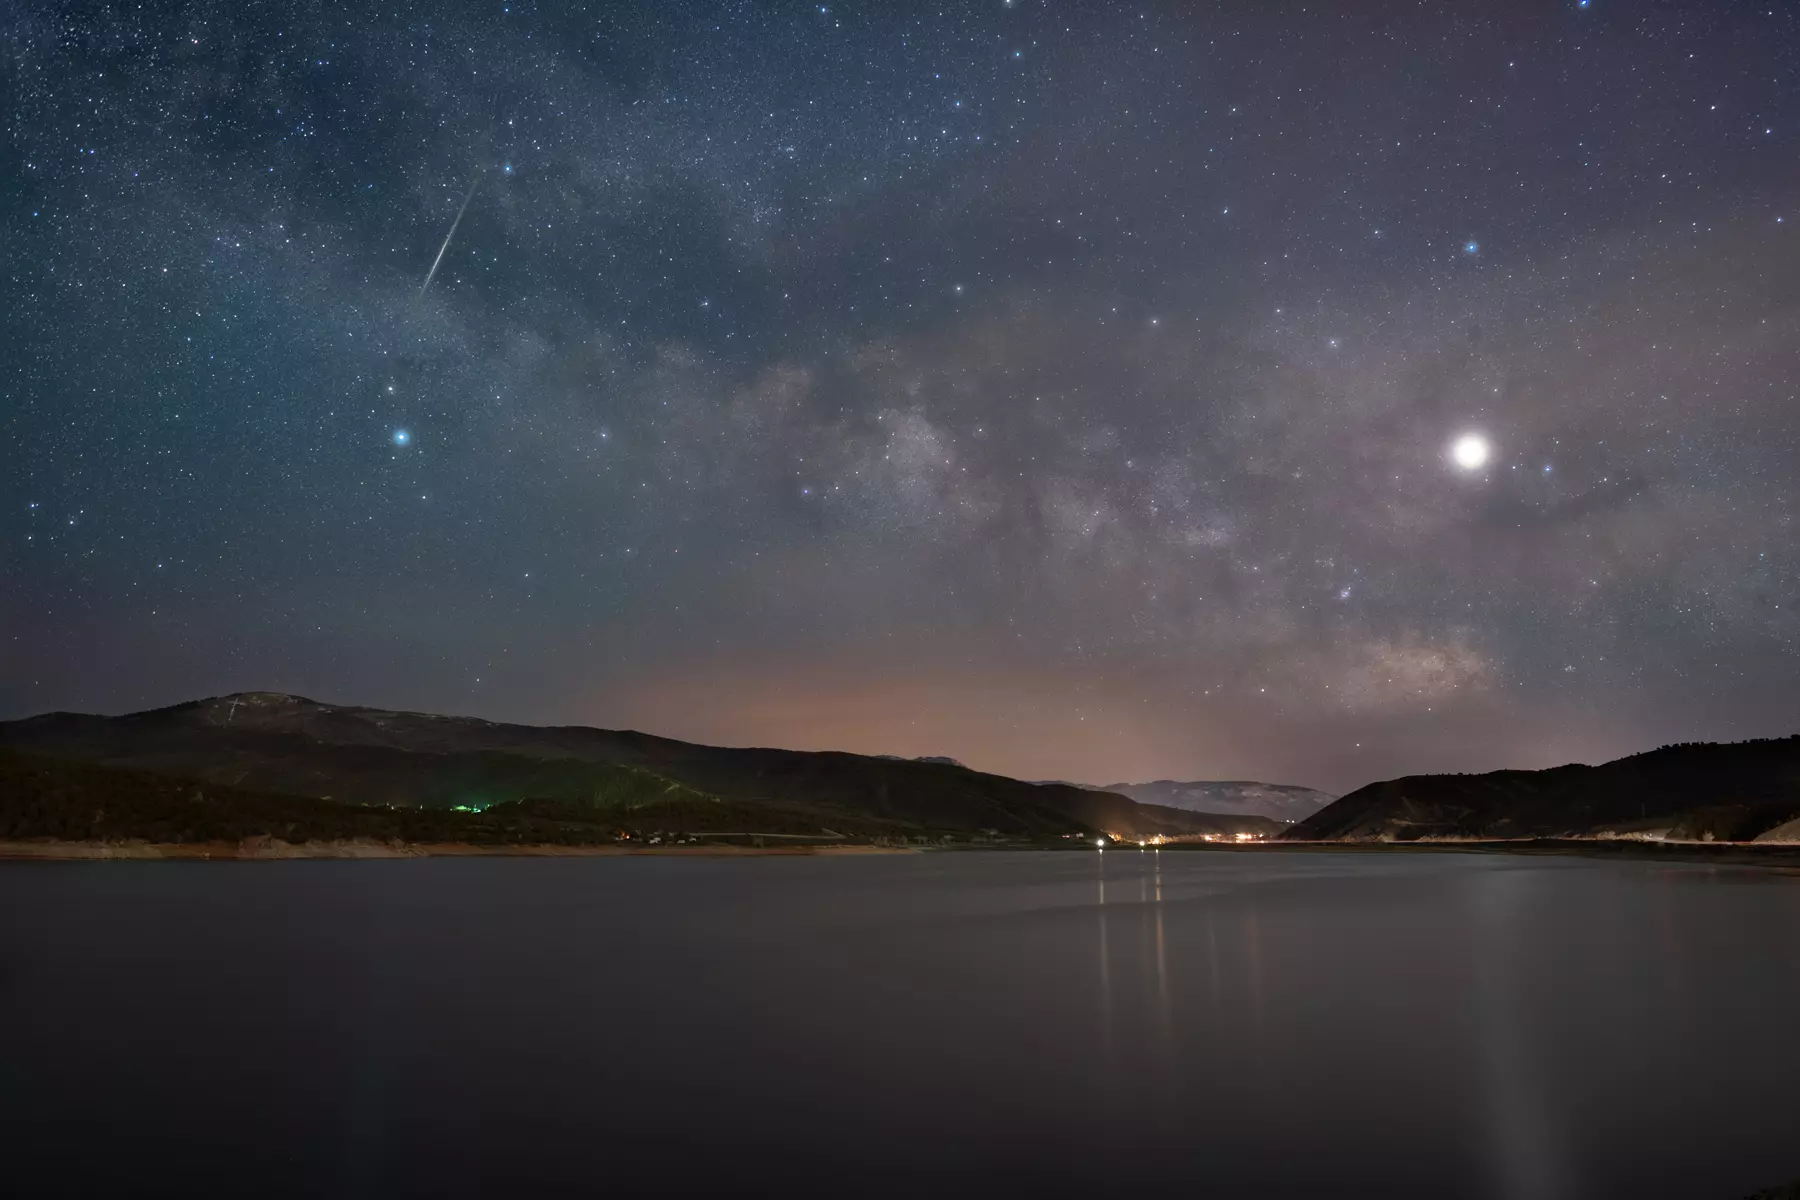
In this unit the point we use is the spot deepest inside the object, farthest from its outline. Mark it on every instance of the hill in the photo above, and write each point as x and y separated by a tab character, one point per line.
1283	802
1704	792
62	800
274	743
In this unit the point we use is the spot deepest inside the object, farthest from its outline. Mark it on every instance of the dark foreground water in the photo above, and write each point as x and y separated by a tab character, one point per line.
1237	1025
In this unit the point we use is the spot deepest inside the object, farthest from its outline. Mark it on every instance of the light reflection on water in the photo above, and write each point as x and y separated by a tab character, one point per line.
1525	1160
1269	1023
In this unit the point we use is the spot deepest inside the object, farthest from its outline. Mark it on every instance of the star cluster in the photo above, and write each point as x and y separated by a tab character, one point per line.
1084	391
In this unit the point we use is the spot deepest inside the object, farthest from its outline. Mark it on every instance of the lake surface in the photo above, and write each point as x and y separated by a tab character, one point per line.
1269	1024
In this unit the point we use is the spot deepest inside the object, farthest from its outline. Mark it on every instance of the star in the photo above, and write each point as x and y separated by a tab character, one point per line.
734	253
1470	451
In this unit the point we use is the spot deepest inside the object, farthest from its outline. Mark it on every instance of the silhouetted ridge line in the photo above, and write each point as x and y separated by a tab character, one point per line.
275	743
1693	791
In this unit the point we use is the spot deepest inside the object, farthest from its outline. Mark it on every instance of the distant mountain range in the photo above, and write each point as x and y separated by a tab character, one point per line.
284	765
1743	791
272	744
1283	802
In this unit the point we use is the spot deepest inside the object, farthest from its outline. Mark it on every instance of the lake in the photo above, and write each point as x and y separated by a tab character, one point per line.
1232	1024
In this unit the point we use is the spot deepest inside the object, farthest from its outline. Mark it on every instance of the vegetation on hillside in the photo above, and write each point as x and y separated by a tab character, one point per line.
287	744
70	801
45	798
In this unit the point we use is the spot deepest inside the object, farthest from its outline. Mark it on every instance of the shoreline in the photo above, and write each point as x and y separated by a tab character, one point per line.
264	849
1761	854
1784	856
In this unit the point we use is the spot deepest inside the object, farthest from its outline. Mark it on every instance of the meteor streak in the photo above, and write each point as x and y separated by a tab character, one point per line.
432	274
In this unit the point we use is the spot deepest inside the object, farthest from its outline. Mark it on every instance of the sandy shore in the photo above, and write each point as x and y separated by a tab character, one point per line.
269	849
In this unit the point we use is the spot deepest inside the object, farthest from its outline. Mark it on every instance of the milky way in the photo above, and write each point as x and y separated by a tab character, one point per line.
1072	389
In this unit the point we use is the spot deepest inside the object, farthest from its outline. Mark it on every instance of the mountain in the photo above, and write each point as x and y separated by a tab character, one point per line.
1741	791
81	802
273	743
1284	802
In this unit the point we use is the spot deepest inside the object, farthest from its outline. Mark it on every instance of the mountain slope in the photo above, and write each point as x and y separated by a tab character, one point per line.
1284	802
279	743
63	800
1733	792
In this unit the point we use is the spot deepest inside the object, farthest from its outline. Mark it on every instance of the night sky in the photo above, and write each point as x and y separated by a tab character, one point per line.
1075	389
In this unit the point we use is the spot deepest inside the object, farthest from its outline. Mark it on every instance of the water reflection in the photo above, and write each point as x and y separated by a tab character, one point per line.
1108	1050
1268	1025
1253	977
1214	977
1527	1164
1163	1068
1164	1007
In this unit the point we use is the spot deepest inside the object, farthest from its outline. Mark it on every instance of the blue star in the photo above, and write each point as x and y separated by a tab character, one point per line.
402	437
1471	247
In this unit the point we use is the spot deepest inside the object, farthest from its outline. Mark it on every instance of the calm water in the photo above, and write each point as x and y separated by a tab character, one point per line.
1267	1025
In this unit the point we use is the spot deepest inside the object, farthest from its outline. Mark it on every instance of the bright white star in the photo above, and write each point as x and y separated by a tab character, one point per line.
1470	451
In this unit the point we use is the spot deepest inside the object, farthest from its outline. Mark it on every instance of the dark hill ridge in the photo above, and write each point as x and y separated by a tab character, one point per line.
61	800
1698	791
277	743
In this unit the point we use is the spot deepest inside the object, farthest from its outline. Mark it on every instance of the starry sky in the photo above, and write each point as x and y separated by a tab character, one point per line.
1072	388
